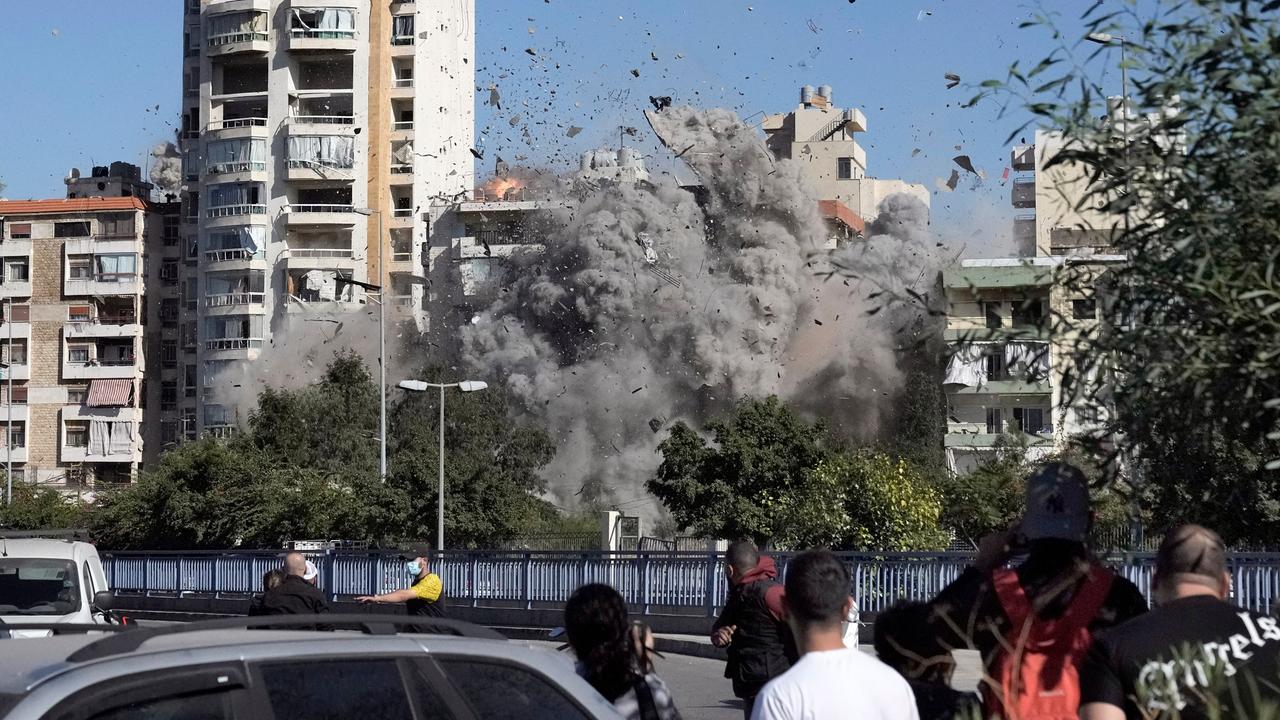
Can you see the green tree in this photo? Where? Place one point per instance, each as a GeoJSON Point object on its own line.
{"type": "Point", "coordinates": [1191, 352]}
{"type": "Point", "coordinates": [40, 508]}
{"type": "Point", "coordinates": [863, 500]}
{"type": "Point", "coordinates": [760, 452]}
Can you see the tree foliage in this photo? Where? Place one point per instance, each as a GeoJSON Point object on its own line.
{"type": "Point", "coordinates": [1190, 354]}
{"type": "Point", "coordinates": [35, 508]}
{"type": "Point", "coordinates": [307, 467]}
{"type": "Point", "coordinates": [767, 474]}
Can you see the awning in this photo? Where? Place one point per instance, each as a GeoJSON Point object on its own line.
{"type": "Point", "coordinates": [109, 393]}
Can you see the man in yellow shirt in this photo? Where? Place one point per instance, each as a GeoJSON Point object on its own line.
{"type": "Point", "coordinates": [424, 597]}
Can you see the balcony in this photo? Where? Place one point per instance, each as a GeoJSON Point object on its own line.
{"type": "Point", "coordinates": [237, 128]}
{"type": "Point", "coordinates": [243, 171]}
{"type": "Point", "coordinates": [102, 246]}
{"type": "Point", "coordinates": [96, 369]}
{"type": "Point", "coordinates": [315, 40]}
{"type": "Point", "coordinates": [303, 170]}
{"type": "Point", "coordinates": [988, 441]}
{"type": "Point", "coordinates": [15, 288]}
{"type": "Point", "coordinates": [20, 329]}
{"type": "Point", "coordinates": [237, 299]}
{"type": "Point", "coordinates": [401, 88]}
{"type": "Point", "coordinates": [239, 42]}
{"type": "Point", "coordinates": [319, 258]}
{"type": "Point", "coordinates": [220, 344]}
{"type": "Point", "coordinates": [402, 130]}
{"type": "Point", "coordinates": [104, 326]}
{"type": "Point", "coordinates": [320, 214]}
{"type": "Point", "coordinates": [16, 454]}
{"type": "Point", "coordinates": [313, 26]}
{"type": "Point", "coordinates": [1023, 193]}
{"type": "Point", "coordinates": [119, 283]}
{"type": "Point", "coordinates": [234, 211]}
{"type": "Point", "coordinates": [234, 259]}
{"type": "Point", "coordinates": [325, 124]}
{"type": "Point", "coordinates": [18, 370]}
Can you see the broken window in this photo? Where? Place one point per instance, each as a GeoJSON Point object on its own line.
{"type": "Point", "coordinates": [236, 27]}
{"type": "Point", "coordinates": [329, 23]}
{"type": "Point", "coordinates": [236, 155]}
{"type": "Point", "coordinates": [325, 151]}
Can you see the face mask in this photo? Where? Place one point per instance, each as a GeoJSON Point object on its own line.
{"type": "Point", "coordinates": [413, 568]}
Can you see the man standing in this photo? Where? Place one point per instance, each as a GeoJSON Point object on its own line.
{"type": "Point", "coordinates": [752, 624]}
{"type": "Point", "coordinates": [1195, 655]}
{"type": "Point", "coordinates": [424, 597]}
{"type": "Point", "coordinates": [830, 681]}
{"type": "Point", "coordinates": [1032, 623]}
{"type": "Point", "coordinates": [294, 595]}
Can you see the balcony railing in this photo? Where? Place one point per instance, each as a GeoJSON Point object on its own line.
{"type": "Point", "coordinates": [402, 125]}
{"type": "Point", "coordinates": [232, 167]}
{"type": "Point", "coordinates": [403, 83]}
{"type": "Point", "coordinates": [401, 169]}
{"type": "Point", "coordinates": [236, 37]}
{"type": "Point", "coordinates": [106, 319]}
{"type": "Point", "coordinates": [115, 277]}
{"type": "Point", "coordinates": [402, 212]}
{"type": "Point", "coordinates": [232, 254]}
{"type": "Point", "coordinates": [402, 40]}
{"type": "Point", "coordinates": [321, 253]}
{"type": "Point", "coordinates": [319, 208]}
{"type": "Point", "coordinates": [232, 343]}
{"type": "Point", "coordinates": [234, 123]}
{"type": "Point", "coordinates": [96, 362]}
{"type": "Point", "coordinates": [334, 34]}
{"type": "Point", "coordinates": [232, 210]}
{"type": "Point", "coordinates": [322, 119]}
{"type": "Point", "coordinates": [230, 299]}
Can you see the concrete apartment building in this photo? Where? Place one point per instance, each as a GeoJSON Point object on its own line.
{"type": "Point", "coordinates": [1014, 323]}
{"type": "Point", "coordinates": [317, 135]}
{"type": "Point", "coordinates": [72, 332]}
{"type": "Point", "coordinates": [822, 137]}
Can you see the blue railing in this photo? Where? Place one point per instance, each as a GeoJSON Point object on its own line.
{"type": "Point", "coordinates": [652, 582]}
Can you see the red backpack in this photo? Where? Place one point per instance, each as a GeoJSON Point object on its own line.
{"type": "Point", "coordinates": [1034, 676]}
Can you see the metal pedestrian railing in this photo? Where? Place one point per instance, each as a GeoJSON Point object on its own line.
{"type": "Point", "coordinates": [652, 582]}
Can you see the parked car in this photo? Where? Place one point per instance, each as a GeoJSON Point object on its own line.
{"type": "Point", "coordinates": [45, 580]}
{"type": "Point", "coordinates": [229, 668]}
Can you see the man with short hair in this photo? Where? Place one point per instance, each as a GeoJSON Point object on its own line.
{"type": "Point", "coordinates": [829, 681]}
{"type": "Point", "coordinates": [752, 625]}
{"type": "Point", "coordinates": [294, 595]}
{"type": "Point", "coordinates": [424, 597]}
{"type": "Point", "coordinates": [1195, 654]}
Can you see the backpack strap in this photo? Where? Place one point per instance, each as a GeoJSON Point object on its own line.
{"type": "Point", "coordinates": [1013, 599]}
{"type": "Point", "coordinates": [1089, 598]}
{"type": "Point", "coordinates": [644, 700]}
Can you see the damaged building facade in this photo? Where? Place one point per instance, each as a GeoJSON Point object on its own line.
{"type": "Point", "coordinates": [322, 140]}
{"type": "Point", "coordinates": [74, 303]}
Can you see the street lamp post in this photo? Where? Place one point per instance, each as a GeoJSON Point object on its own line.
{"type": "Point", "coordinates": [423, 386]}
{"type": "Point", "coordinates": [8, 402]}
{"type": "Point", "coordinates": [382, 348]}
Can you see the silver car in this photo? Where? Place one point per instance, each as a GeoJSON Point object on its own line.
{"type": "Point", "coordinates": [220, 670]}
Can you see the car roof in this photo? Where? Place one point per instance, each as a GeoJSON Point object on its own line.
{"type": "Point", "coordinates": [25, 663]}
{"type": "Point", "coordinates": [43, 548]}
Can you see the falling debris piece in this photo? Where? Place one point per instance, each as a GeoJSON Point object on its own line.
{"type": "Point", "coordinates": [915, 152]}
{"type": "Point", "coordinates": [816, 321]}
{"type": "Point", "coordinates": [573, 130]}
{"type": "Point", "coordinates": [813, 27]}
{"type": "Point", "coordinates": [953, 180]}
{"type": "Point", "coordinates": [665, 276]}
{"type": "Point", "coordinates": [633, 392]}
{"type": "Point", "coordinates": [653, 56]}
{"type": "Point", "coordinates": [682, 152]}
{"type": "Point", "coordinates": [531, 51]}
{"type": "Point", "coordinates": [655, 424]}
{"type": "Point", "coordinates": [921, 15]}
{"type": "Point", "coordinates": [514, 121]}
{"type": "Point", "coordinates": [635, 72]}
{"type": "Point", "coordinates": [55, 32]}
{"type": "Point", "coordinates": [494, 98]}
{"type": "Point", "coordinates": [952, 80]}
{"type": "Point", "coordinates": [479, 154]}
{"type": "Point", "coordinates": [965, 163]}
{"type": "Point", "coordinates": [660, 102]}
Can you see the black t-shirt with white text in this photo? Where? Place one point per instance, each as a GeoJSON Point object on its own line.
{"type": "Point", "coordinates": [1174, 656]}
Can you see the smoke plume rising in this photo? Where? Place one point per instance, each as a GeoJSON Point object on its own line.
{"type": "Point", "coordinates": [648, 307]}
{"type": "Point", "coordinates": [166, 168]}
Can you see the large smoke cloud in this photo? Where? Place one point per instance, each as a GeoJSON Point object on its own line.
{"type": "Point", "coordinates": [593, 339]}
{"type": "Point", "coordinates": [166, 167]}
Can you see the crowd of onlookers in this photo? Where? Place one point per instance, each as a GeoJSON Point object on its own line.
{"type": "Point", "coordinates": [1059, 635]}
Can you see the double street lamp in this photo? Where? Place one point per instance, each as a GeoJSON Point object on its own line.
{"type": "Point", "coordinates": [423, 386]}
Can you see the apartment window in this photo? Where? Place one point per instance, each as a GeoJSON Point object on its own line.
{"type": "Point", "coordinates": [79, 354]}
{"type": "Point", "coordinates": [189, 380]}
{"type": "Point", "coordinates": [79, 313]}
{"type": "Point", "coordinates": [994, 364]}
{"type": "Point", "coordinates": [169, 310]}
{"type": "Point", "coordinates": [79, 268]}
{"type": "Point", "coordinates": [171, 227]}
{"type": "Point", "coordinates": [77, 433]}
{"type": "Point", "coordinates": [19, 396]}
{"type": "Point", "coordinates": [1028, 313]}
{"type": "Point", "coordinates": [169, 431]}
{"type": "Point", "coordinates": [193, 249]}
{"type": "Point", "coordinates": [1084, 309]}
{"type": "Point", "coordinates": [169, 353]}
{"type": "Point", "coordinates": [16, 270]}
{"type": "Point", "coordinates": [992, 312]}
{"type": "Point", "coordinates": [168, 394]}
{"type": "Point", "coordinates": [169, 271]}
{"type": "Point", "coordinates": [1030, 420]}
{"type": "Point", "coordinates": [19, 313]}
{"type": "Point", "coordinates": [189, 423]}
{"type": "Point", "coordinates": [20, 231]}
{"type": "Point", "coordinates": [117, 225]}
{"type": "Point", "coordinates": [190, 293]}
{"type": "Point", "coordinates": [18, 436]}
{"type": "Point", "coordinates": [995, 421]}
{"type": "Point", "coordinates": [76, 394]}
{"type": "Point", "coordinates": [77, 229]}
{"type": "Point", "coordinates": [402, 30]}
{"type": "Point", "coordinates": [844, 168]}
{"type": "Point", "coordinates": [14, 352]}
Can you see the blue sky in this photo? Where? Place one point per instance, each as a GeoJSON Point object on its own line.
{"type": "Point", "coordinates": [83, 79]}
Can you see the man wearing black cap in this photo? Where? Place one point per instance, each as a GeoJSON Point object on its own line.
{"type": "Point", "coordinates": [1058, 591]}
{"type": "Point", "coordinates": [1194, 656]}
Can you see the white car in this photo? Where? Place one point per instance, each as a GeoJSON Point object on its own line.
{"type": "Point", "coordinates": [46, 581]}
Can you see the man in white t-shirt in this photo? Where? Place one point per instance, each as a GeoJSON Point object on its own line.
{"type": "Point", "coordinates": [830, 681]}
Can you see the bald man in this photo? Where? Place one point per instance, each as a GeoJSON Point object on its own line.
{"type": "Point", "coordinates": [294, 596]}
{"type": "Point", "coordinates": [1193, 653]}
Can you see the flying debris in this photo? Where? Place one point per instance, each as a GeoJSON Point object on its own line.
{"type": "Point", "coordinates": [952, 80]}
{"type": "Point", "coordinates": [479, 154]}
{"type": "Point", "coordinates": [965, 163]}
{"type": "Point", "coordinates": [659, 103]}
{"type": "Point", "coordinates": [572, 131]}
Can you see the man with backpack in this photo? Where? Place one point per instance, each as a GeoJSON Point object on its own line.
{"type": "Point", "coordinates": [752, 624]}
{"type": "Point", "coordinates": [1033, 623]}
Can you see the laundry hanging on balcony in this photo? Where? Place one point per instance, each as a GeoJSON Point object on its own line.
{"type": "Point", "coordinates": [109, 393]}
{"type": "Point", "coordinates": [322, 150]}
{"type": "Point", "coordinates": [1027, 360]}
{"type": "Point", "coordinates": [110, 437]}
{"type": "Point", "coordinates": [967, 366]}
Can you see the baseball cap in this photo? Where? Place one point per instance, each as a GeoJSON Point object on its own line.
{"type": "Point", "coordinates": [1057, 504]}
{"type": "Point", "coordinates": [312, 571]}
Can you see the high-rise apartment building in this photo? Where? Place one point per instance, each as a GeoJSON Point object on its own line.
{"type": "Point", "coordinates": [72, 287]}
{"type": "Point", "coordinates": [321, 139]}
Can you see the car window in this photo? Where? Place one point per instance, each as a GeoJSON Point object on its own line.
{"type": "Point", "coordinates": [499, 690]}
{"type": "Point", "coordinates": [90, 587]}
{"type": "Point", "coordinates": [195, 706]}
{"type": "Point", "coordinates": [336, 689]}
{"type": "Point", "coordinates": [38, 586]}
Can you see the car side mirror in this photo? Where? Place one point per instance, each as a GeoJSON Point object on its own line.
{"type": "Point", "coordinates": [104, 600]}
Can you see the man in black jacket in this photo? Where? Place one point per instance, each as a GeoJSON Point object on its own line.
{"type": "Point", "coordinates": [294, 595]}
{"type": "Point", "coordinates": [752, 624]}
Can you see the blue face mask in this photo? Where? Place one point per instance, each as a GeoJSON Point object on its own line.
{"type": "Point", "coordinates": [413, 568]}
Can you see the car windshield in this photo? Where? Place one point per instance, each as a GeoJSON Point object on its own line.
{"type": "Point", "coordinates": [38, 586]}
